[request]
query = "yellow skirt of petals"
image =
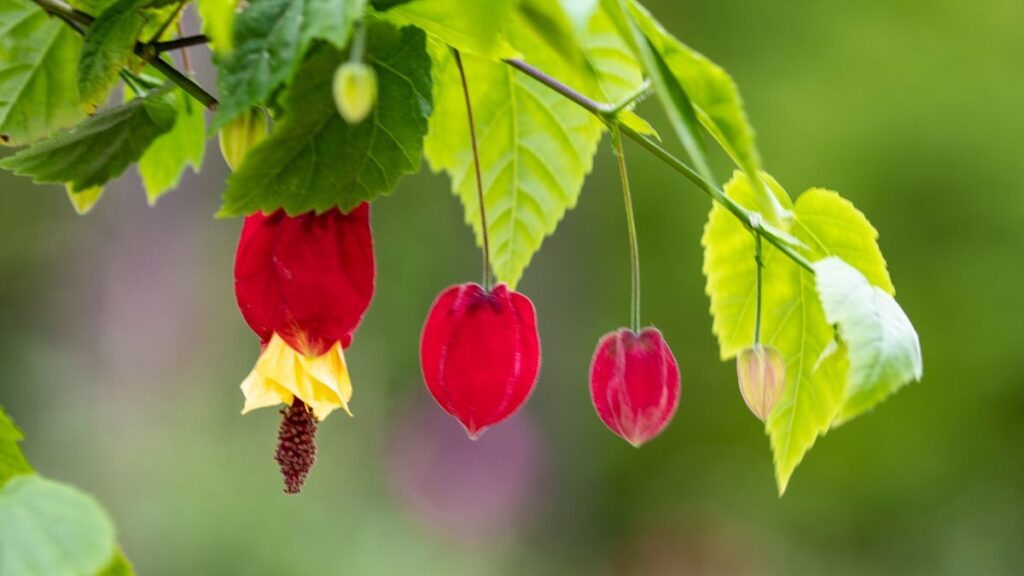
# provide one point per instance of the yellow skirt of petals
(283, 374)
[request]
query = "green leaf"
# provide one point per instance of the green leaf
(163, 163)
(884, 350)
(675, 101)
(12, 461)
(712, 91)
(98, 149)
(38, 90)
(109, 46)
(84, 201)
(218, 18)
(50, 529)
(579, 12)
(270, 39)
(119, 566)
(535, 146)
(314, 160)
(474, 27)
(793, 319)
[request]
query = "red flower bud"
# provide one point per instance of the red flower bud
(634, 383)
(309, 278)
(480, 353)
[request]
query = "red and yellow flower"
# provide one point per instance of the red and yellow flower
(303, 284)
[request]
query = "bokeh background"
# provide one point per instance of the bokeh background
(122, 350)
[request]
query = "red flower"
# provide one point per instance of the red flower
(634, 383)
(480, 353)
(309, 278)
(303, 284)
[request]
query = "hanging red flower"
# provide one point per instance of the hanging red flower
(303, 284)
(480, 353)
(634, 383)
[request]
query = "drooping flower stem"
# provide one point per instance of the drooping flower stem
(296, 445)
(634, 247)
(759, 261)
(476, 166)
(357, 52)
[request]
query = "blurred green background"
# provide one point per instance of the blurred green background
(122, 349)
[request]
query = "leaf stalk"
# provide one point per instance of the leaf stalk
(599, 109)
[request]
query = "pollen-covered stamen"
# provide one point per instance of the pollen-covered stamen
(296, 445)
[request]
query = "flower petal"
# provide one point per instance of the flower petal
(282, 374)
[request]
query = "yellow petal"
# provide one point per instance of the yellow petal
(282, 374)
(332, 387)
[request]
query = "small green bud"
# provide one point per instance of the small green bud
(355, 91)
(241, 135)
(762, 375)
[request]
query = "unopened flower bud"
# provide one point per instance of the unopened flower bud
(762, 375)
(355, 91)
(241, 135)
(634, 383)
(480, 353)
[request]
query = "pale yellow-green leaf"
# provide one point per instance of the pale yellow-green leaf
(883, 346)
(535, 146)
(84, 201)
(218, 17)
(793, 319)
(729, 266)
(474, 27)
(712, 91)
(166, 159)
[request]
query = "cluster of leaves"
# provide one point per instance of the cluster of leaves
(827, 295)
(47, 527)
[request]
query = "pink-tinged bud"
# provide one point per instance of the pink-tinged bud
(634, 383)
(762, 375)
(480, 353)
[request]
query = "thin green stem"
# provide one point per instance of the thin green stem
(358, 50)
(600, 110)
(757, 289)
(80, 21)
(167, 23)
(634, 246)
(476, 167)
(129, 81)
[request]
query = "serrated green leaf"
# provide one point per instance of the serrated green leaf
(535, 146)
(712, 91)
(84, 201)
(38, 89)
(164, 162)
(96, 150)
(675, 101)
(729, 266)
(314, 160)
(270, 38)
(793, 320)
(883, 347)
(50, 529)
(473, 27)
(109, 45)
(12, 461)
